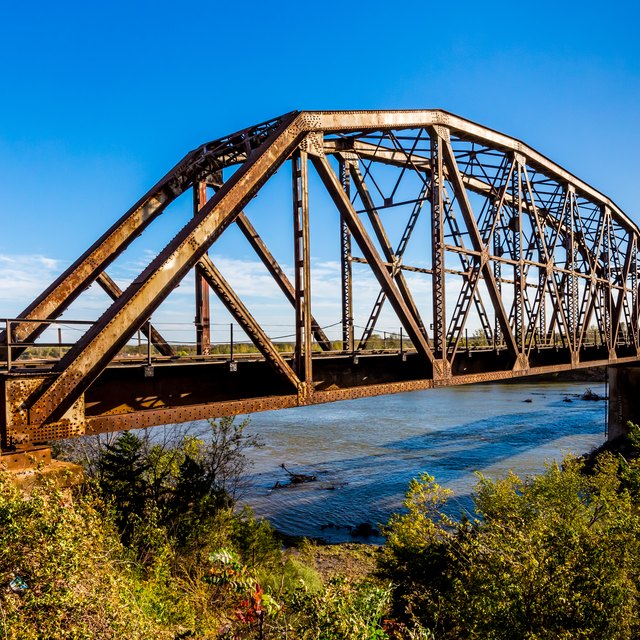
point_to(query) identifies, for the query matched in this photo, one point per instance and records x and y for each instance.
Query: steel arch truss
(495, 261)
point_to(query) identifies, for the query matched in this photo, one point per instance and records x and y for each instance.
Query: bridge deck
(132, 394)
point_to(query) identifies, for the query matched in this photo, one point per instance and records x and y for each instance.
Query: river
(365, 452)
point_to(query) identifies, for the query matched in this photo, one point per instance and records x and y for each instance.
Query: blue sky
(99, 99)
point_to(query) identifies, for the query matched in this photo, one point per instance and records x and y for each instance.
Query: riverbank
(73, 566)
(350, 560)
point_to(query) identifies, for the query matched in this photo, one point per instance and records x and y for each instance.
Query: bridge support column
(345, 265)
(4, 438)
(203, 313)
(302, 262)
(624, 398)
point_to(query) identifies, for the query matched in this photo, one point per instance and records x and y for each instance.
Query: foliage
(343, 610)
(251, 604)
(122, 469)
(173, 480)
(151, 547)
(417, 553)
(71, 563)
(552, 556)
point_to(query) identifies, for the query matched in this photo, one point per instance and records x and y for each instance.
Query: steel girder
(200, 165)
(529, 254)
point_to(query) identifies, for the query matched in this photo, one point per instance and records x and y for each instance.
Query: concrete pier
(624, 398)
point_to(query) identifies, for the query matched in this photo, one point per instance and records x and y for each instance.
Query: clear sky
(99, 99)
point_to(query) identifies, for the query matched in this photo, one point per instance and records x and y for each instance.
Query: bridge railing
(15, 349)
(229, 343)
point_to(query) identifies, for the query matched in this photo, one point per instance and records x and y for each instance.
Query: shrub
(76, 585)
(553, 556)
(171, 478)
(342, 610)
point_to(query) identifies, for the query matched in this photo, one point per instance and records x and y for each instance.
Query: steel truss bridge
(538, 265)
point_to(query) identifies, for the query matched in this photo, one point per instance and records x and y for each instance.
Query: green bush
(169, 484)
(76, 584)
(553, 556)
(290, 574)
(341, 610)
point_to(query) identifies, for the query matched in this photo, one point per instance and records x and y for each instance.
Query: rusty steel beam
(254, 399)
(359, 233)
(242, 316)
(543, 270)
(468, 293)
(196, 165)
(110, 287)
(68, 286)
(617, 312)
(203, 307)
(595, 285)
(396, 264)
(280, 277)
(202, 411)
(518, 275)
(558, 287)
(383, 240)
(478, 245)
(372, 212)
(437, 135)
(378, 153)
(346, 272)
(396, 158)
(83, 362)
(377, 120)
(594, 261)
(302, 266)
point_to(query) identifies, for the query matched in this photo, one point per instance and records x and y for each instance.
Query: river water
(365, 452)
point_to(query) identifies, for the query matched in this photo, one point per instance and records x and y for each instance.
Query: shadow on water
(368, 488)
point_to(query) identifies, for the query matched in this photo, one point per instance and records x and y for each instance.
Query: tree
(552, 556)
(177, 477)
(478, 338)
(122, 479)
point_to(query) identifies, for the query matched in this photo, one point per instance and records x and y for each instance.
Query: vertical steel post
(59, 342)
(437, 245)
(4, 441)
(542, 283)
(518, 266)
(607, 292)
(148, 343)
(575, 289)
(634, 292)
(572, 284)
(203, 312)
(302, 264)
(497, 274)
(9, 340)
(345, 267)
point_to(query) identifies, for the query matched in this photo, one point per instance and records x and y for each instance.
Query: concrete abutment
(624, 398)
